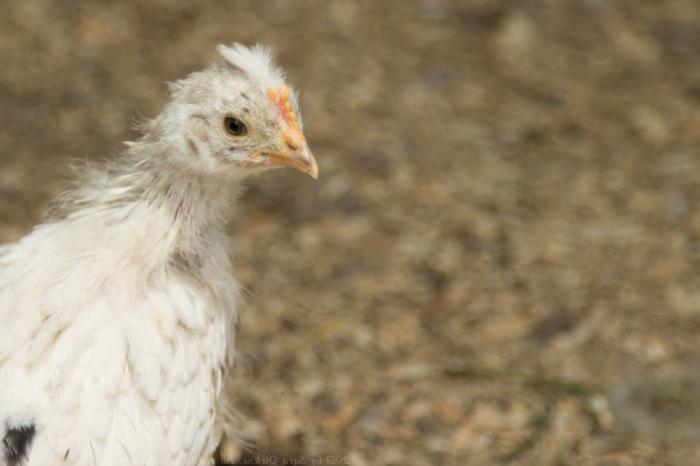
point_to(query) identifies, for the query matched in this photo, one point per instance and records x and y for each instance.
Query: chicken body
(120, 353)
(117, 317)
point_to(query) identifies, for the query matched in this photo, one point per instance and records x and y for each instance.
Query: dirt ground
(499, 263)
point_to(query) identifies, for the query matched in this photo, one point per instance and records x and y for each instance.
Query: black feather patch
(17, 441)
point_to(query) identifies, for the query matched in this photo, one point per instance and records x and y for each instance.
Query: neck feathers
(143, 195)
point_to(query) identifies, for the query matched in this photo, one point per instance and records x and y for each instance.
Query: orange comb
(280, 97)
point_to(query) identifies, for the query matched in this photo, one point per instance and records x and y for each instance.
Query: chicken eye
(235, 127)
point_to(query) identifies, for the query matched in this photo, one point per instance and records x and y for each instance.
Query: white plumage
(117, 316)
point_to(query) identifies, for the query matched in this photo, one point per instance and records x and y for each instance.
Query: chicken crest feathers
(256, 62)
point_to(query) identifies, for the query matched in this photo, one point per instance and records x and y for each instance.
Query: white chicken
(117, 316)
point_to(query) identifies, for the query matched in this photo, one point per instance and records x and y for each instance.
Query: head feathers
(256, 62)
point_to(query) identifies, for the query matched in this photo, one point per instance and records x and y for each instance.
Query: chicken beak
(295, 153)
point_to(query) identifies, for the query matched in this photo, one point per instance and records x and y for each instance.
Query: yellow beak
(295, 153)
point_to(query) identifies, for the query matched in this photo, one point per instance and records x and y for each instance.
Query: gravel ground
(499, 262)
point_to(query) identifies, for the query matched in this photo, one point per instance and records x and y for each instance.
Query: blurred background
(499, 263)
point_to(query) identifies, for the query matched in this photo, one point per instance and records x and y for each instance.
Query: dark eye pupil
(235, 126)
